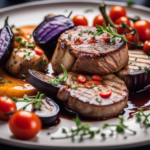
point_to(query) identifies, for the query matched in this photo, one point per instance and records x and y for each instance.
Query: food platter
(32, 14)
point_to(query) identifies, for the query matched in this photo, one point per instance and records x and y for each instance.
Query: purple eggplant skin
(6, 44)
(48, 32)
(49, 112)
(137, 80)
(40, 81)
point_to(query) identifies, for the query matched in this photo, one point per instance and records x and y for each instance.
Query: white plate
(33, 13)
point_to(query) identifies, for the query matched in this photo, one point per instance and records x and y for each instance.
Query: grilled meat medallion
(83, 100)
(78, 51)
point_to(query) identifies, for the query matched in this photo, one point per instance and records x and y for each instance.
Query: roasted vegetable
(6, 43)
(48, 113)
(48, 32)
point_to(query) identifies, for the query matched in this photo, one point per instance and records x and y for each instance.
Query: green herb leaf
(98, 99)
(92, 86)
(2, 82)
(43, 62)
(17, 29)
(57, 80)
(27, 57)
(1, 78)
(139, 67)
(18, 39)
(23, 75)
(74, 87)
(146, 69)
(135, 59)
(88, 10)
(15, 51)
(9, 81)
(31, 46)
(130, 3)
(99, 88)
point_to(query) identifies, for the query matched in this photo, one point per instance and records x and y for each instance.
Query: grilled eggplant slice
(136, 74)
(48, 32)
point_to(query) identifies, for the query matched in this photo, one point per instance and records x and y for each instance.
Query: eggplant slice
(49, 112)
(83, 100)
(40, 81)
(136, 74)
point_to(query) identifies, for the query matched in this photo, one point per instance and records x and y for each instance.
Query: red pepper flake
(105, 37)
(92, 40)
(78, 42)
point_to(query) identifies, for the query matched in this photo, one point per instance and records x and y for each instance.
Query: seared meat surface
(136, 74)
(83, 100)
(78, 51)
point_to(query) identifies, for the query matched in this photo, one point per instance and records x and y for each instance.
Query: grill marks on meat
(83, 100)
(100, 57)
(134, 74)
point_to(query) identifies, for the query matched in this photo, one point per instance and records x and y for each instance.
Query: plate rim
(28, 144)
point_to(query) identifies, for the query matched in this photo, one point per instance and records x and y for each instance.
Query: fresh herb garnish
(92, 86)
(121, 127)
(1, 78)
(43, 62)
(18, 39)
(2, 82)
(57, 80)
(17, 29)
(98, 99)
(81, 131)
(69, 36)
(85, 39)
(78, 39)
(146, 69)
(31, 46)
(130, 3)
(135, 59)
(15, 51)
(48, 133)
(74, 87)
(139, 118)
(99, 88)
(88, 10)
(12, 26)
(36, 101)
(23, 75)
(113, 33)
(140, 68)
(9, 81)
(31, 36)
(27, 57)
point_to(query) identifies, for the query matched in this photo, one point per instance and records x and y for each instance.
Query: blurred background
(5, 3)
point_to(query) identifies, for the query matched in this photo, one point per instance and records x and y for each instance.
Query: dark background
(6, 3)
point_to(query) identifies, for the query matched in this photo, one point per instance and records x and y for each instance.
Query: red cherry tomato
(7, 105)
(105, 93)
(38, 50)
(81, 79)
(120, 21)
(146, 47)
(131, 38)
(96, 83)
(117, 12)
(78, 42)
(24, 124)
(99, 20)
(143, 29)
(80, 20)
(97, 78)
(92, 40)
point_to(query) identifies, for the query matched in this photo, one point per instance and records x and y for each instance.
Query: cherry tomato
(146, 47)
(38, 50)
(92, 40)
(99, 20)
(105, 93)
(131, 38)
(7, 105)
(143, 29)
(96, 83)
(81, 79)
(78, 42)
(120, 21)
(80, 20)
(97, 78)
(24, 124)
(117, 12)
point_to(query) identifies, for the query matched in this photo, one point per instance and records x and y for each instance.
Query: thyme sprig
(113, 33)
(36, 101)
(57, 80)
(121, 127)
(143, 122)
(82, 131)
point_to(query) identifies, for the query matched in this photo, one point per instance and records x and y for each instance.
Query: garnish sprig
(121, 127)
(143, 122)
(36, 101)
(81, 131)
(57, 80)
